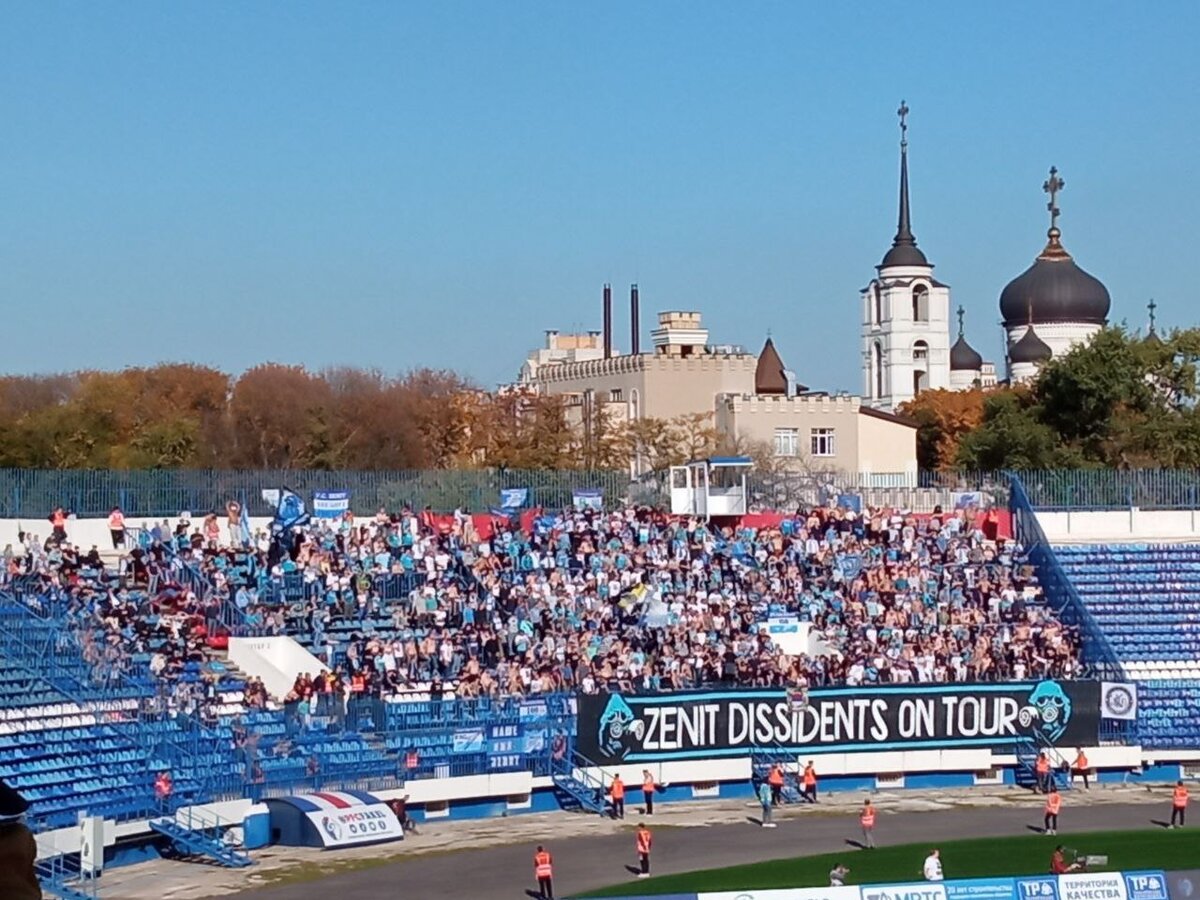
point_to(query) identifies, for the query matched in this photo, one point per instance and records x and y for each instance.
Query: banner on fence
(1118, 701)
(330, 504)
(852, 502)
(654, 727)
(588, 498)
(468, 740)
(514, 498)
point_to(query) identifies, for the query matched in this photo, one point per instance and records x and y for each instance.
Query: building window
(920, 300)
(822, 442)
(878, 306)
(920, 351)
(877, 363)
(616, 395)
(787, 442)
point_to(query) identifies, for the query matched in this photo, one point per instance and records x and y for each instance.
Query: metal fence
(31, 494)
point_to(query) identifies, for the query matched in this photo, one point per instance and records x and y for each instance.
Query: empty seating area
(1145, 599)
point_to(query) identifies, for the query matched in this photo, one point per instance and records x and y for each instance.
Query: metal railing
(1097, 653)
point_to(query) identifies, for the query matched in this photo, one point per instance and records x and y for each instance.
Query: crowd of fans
(578, 600)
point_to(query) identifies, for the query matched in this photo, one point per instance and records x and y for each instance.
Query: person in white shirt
(933, 866)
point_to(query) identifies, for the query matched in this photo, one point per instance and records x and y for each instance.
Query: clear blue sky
(397, 184)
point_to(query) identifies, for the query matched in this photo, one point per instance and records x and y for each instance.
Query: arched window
(920, 303)
(877, 299)
(877, 366)
(633, 405)
(920, 367)
(920, 353)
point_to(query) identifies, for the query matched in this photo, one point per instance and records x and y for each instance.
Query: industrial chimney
(635, 346)
(607, 321)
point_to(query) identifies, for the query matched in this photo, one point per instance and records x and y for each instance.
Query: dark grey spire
(904, 251)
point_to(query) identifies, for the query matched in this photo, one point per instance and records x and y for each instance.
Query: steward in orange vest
(775, 780)
(1179, 802)
(648, 788)
(810, 783)
(644, 841)
(867, 820)
(543, 871)
(1053, 805)
(1080, 768)
(617, 792)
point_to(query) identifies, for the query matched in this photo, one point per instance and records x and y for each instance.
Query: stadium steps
(60, 876)
(575, 789)
(761, 761)
(201, 842)
(1026, 773)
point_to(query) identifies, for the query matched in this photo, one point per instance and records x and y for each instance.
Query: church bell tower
(906, 314)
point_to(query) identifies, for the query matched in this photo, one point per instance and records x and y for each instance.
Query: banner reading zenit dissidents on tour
(648, 727)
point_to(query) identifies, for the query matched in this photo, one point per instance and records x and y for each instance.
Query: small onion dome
(1029, 349)
(963, 357)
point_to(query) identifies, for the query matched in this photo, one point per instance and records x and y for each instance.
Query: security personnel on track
(617, 792)
(543, 870)
(1179, 802)
(809, 780)
(648, 788)
(775, 780)
(644, 841)
(1053, 805)
(867, 820)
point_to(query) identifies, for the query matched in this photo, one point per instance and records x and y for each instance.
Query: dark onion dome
(769, 377)
(1054, 289)
(1029, 349)
(963, 357)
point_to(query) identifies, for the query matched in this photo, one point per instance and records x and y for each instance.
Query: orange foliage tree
(943, 418)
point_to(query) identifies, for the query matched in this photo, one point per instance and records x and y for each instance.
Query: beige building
(751, 398)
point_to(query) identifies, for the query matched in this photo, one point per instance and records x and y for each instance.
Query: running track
(581, 864)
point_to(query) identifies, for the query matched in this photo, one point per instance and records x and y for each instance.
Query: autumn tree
(943, 418)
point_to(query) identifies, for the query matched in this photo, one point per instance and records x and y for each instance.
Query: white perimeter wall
(1125, 525)
(85, 533)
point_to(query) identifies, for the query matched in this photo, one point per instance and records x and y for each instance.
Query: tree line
(1121, 401)
(287, 417)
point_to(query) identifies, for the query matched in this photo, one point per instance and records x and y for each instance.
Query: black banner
(617, 728)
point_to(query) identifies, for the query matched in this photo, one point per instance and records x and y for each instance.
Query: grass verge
(979, 858)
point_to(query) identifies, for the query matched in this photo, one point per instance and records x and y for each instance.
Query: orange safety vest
(1043, 765)
(542, 867)
(116, 522)
(810, 776)
(775, 778)
(648, 784)
(1054, 804)
(618, 789)
(58, 520)
(1179, 799)
(643, 840)
(1081, 762)
(868, 817)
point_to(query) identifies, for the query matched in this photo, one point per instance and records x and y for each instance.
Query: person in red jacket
(543, 871)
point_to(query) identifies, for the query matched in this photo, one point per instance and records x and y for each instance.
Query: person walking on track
(543, 870)
(1179, 802)
(617, 792)
(867, 820)
(775, 780)
(809, 780)
(648, 789)
(1053, 805)
(764, 799)
(644, 841)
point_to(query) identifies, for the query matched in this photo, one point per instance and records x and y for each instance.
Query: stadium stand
(1146, 600)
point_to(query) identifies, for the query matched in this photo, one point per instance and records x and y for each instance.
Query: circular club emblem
(1118, 701)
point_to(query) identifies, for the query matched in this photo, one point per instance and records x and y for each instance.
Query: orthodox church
(1050, 307)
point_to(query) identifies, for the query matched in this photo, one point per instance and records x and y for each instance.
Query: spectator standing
(837, 875)
(116, 527)
(766, 801)
(58, 525)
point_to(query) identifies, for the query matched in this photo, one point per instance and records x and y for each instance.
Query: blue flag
(290, 513)
(244, 523)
